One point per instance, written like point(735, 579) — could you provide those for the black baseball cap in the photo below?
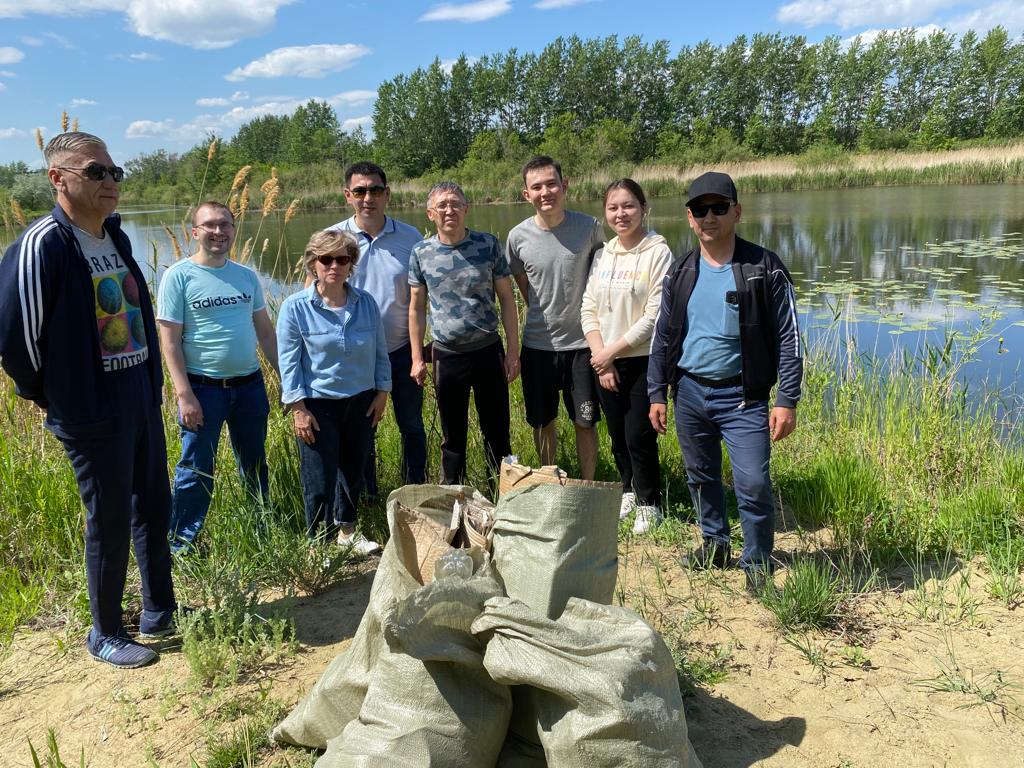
point(712, 183)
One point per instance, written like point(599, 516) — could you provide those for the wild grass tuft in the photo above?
point(809, 598)
point(232, 635)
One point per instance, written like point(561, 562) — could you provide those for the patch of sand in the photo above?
point(868, 707)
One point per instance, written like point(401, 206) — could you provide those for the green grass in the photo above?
point(809, 597)
point(891, 456)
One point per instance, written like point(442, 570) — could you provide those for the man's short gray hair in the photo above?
point(63, 145)
point(445, 186)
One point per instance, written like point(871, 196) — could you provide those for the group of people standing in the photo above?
point(609, 327)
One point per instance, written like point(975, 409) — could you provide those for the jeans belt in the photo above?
point(234, 381)
point(732, 381)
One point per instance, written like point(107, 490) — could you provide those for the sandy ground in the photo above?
point(865, 702)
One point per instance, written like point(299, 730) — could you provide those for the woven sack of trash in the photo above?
point(605, 689)
point(420, 519)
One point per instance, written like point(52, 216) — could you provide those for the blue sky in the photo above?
point(146, 74)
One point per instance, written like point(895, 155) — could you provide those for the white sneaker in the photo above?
point(358, 542)
point(647, 517)
point(628, 505)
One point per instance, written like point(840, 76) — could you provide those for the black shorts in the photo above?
point(546, 373)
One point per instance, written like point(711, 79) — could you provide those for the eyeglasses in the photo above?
point(97, 172)
point(700, 210)
point(342, 260)
point(376, 190)
point(453, 207)
point(220, 226)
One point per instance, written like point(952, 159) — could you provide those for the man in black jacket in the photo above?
point(726, 332)
point(78, 338)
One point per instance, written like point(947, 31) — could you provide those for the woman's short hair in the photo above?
point(330, 242)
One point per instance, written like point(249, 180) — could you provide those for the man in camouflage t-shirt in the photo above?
point(462, 273)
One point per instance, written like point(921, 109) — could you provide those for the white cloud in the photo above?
point(214, 102)
point(2, 87)
point(10, 133)
point(868, 36)
point(195, 23)
point(60, 40)
point(301, 61)
point(468, 13)
point(29, 40)
point(6, 73)
point(852, 13)
point(352, 123)
point(240, 96)
point(10, 55)
point(548, 5)
point(352, 98)
point(226, 123)
point(143, 56)
point(447, 64)
point(1009, 14)
point(200, 23)
point(16, 9)
point(147, 129)
point(82, 103)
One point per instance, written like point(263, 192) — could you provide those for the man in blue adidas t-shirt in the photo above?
point(726, 332)
point(212, 315)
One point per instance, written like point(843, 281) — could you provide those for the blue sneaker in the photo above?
point(165, 626)
point(119, 650)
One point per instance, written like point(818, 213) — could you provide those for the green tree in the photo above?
point(262, 140)
point(311, 134)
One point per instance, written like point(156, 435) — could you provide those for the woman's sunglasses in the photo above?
point(342, 260)
point(97, 172)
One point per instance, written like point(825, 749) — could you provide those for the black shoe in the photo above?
point(759, 580)
point(165, 628)
point(119, 650)
point(711, 554)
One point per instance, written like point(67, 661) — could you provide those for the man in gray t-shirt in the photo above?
point(550, 255)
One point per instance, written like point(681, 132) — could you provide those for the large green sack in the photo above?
point(605, 686)
point(552, 541)
point(430, 702)
point(338, 695)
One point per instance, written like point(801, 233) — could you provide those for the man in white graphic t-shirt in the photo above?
point(78, 338)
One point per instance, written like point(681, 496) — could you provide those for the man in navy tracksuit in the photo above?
point(726, 332)
point(78, 338)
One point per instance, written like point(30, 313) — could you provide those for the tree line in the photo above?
point(604, 101)
point(763, 95)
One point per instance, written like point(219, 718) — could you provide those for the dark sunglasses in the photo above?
point(700, 210)
point(376, 190)
point(97, 172)
point(342, 260)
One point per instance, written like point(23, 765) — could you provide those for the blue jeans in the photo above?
point(705, 416)
point(244, 409)
point(333, 465)
point(407, 401)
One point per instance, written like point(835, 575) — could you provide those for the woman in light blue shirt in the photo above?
point(335, 379)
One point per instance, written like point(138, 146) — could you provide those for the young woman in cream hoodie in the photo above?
point(619, 308)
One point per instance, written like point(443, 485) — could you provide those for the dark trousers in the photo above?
point(407, 401)
point(122, 479)
point(455, 373)
point(334, 463)
point(634, 441)
point(705, 416)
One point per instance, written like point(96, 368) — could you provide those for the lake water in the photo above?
point(894, 267)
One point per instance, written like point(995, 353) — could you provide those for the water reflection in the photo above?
point(901, 266)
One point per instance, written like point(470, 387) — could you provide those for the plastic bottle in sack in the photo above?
point(455, 563)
